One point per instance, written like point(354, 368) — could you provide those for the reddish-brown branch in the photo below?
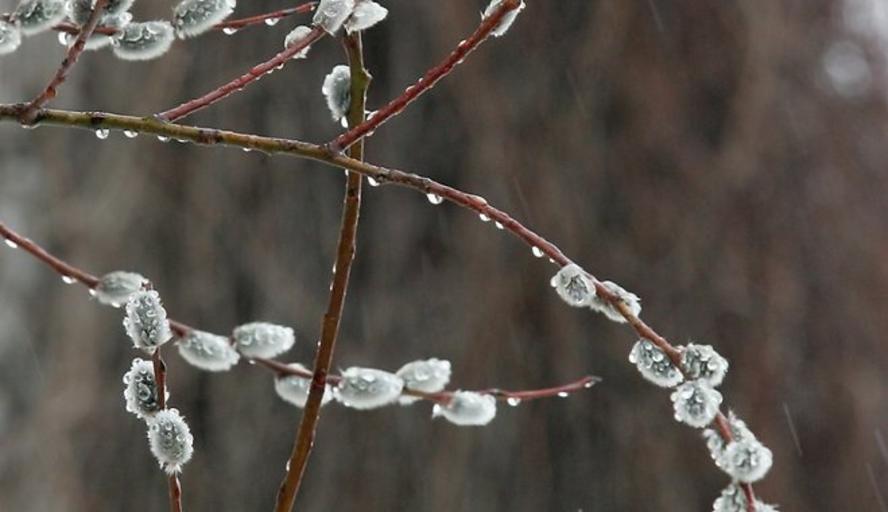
point(428, 80)
point(160, 377)
point(242, 81)
point(64, 269)
point(30, 113)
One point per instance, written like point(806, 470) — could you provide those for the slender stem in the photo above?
point(66, 270)
point(175, 493)
point(242, 81)
point(428, 80)
point(29, 114)
point(345, 255)
point(160, 377)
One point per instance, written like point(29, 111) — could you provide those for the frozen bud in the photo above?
point(629, 299)
point(366, 14)
point(194, 17)
point(146, 321)
point(654, 365)
point(262, 339)
point(506, 21)
point(428, 376)
point(367, 388)
point(573, 285)
point(331, 14)
point(733, 499)
point(10, 37)
point(144, 41)
point(112, 21)
point(703, 362)
point(80, 10)
point(294, 37)
point(337, 91)
point(746, 460)
point(294, 389)
point(467, 408)
point(115, 288)
point(208, 352)
point(170, 440)
point(696, 403)
point(140, 389)
point(716, 444)
point(35, 16)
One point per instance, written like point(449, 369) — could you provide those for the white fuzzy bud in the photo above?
point(115, 288)
point(366, 14)
point(467, 408)
point(337, 91)
point(654, 365)
point(262, 339)
point(144, 41)
point(629, 299)
point(703, 362)
point(294, 37)
point(194, 17)
point(207, 351)
point(573, 285)
point(146, 321)
point(10, 37)
point(507, 20)
point(428, 376)
point(331, 14)
point(99, 41)
point(746, 460)
point(140, 389)
point(80, 10)
point(367, 388)
point(716, 444)
point(170, 440)
point(733, 499)
point(295, 389)
point(35, 16)
point(696, 403)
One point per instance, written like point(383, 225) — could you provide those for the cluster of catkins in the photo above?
point(695, 399)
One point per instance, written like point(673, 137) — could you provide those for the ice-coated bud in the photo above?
point(35, 16)
point(629, 299)
point(115, 21)
point(80, 10)
point(208, 351)
point(654, 365)
point(140, 389)
point(696, 403)
point(146, 321)
point(716, 444)
point(194, 17)
point(733, 499)
point(507, 20)
point(294, 37)
point(331, 14)
point(262, 339)
point(10, 37)
point(703, 362)
point(115, 288)
point(337, 91)
point(746, 460)
point(367, 388)
point(428, 376)
point(170, 440)
point(144, 41)
point(467, 408)
point(366, 14)
point(573, 285)
point(294, 389)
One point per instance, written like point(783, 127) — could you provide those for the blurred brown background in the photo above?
point(725, 160)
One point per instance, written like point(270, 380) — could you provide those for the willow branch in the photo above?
point(160, 377)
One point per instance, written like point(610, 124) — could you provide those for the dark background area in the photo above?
point(724, 160)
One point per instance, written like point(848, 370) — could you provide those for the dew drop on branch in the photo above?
point(484, 218)
point(434, 198)
point(372, 181)
point(102, 133)
point(68, 280)
point(272, 21)
point(130, 134)
point(11, 244)
point(536, 251)
point(513, 401)
point(229, 31)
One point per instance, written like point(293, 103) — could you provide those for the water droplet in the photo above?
point(537, 252)
point(484, 218)
point(11, 244)
point(434, 198)
point(246, 150)
point(92, 292)
point(129, 134)
point(589, 384)
point(102, 134)
point(513, 401)
point(68, 280)
point(272, 21)
point(372, 181)
point(63, 38)
point(499, 225)
point(161, 138)
point(229, 31)
point(563, 394)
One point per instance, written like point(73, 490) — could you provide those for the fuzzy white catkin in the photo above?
point(507, 20)
point(144, 41)
point(146, 321)
point(368, 388)
point(716, 444)
point(115, 288)
point(194, 17)
point(80, 10)
point(115, 21)
point(35, 16)
point(140, 389)
point(294, 37)
point(427, 375)
point(10, 37)
point(337, 91)
point(703, 362)
point(733, 499)
point(696, 403)
point(746, 460)
point(331, 14)
point(262, 339)
point(294, 389)
point(207, 351)
point(467, 408)
point(366, 14)
point(628, 298)
point(654, 365)
point(573, 285)
point(170, 440)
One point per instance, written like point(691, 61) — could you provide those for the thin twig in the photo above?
point(428, 80)
point(160, 377)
